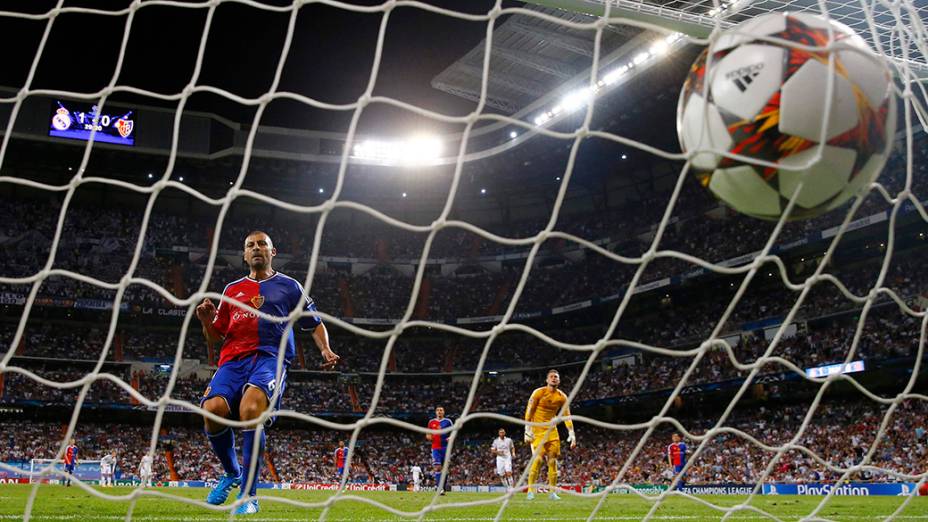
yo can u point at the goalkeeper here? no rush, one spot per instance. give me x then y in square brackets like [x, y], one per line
[544, 405]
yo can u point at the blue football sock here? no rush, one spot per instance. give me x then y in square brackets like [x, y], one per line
[223, 444]
[248, 445]
[437, 475]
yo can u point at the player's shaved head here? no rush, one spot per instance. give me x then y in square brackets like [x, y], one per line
[257, 234]
[259, 252]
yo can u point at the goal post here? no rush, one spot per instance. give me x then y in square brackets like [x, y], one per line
[43, 470]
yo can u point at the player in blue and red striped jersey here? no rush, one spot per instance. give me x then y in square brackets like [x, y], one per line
[244, 383]
[439, 445]
[70, 461]
[676, 457]
[341, 455]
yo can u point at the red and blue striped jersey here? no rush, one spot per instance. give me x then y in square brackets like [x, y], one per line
[340, 455]
[70, 454]
[245, 333]
[677, 453]
[440, 440]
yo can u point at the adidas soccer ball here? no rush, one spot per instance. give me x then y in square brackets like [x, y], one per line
[767, 102]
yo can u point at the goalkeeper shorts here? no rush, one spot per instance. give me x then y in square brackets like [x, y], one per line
[552, 448]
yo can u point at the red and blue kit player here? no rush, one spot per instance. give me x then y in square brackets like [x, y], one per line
[676, 457]
[246, 379]
[341, 456]
[70, 461]
[439, 445]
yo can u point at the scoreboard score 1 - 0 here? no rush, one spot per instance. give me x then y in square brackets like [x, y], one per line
[77, 120]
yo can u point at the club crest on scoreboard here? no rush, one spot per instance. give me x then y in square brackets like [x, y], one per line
[62, 119]
[125, 127]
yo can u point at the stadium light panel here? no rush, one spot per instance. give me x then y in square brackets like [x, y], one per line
[614, 75]
[576, 99]
[404, 194]
[513, 135]
[181, 178]
[624, 156]
[660, 48]
[321, 190]
[483, 191]
[413, 151]
[640, 58]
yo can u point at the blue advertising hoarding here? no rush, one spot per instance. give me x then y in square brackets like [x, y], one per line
[852, 489]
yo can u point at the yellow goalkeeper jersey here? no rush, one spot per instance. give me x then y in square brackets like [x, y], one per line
[543, 405]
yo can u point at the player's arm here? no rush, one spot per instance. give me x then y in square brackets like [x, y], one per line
[314, 323]
[571, 435]
[669, 457]
[321, 338]
[529, 413]
[207, 314]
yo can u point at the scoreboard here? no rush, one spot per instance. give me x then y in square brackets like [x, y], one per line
[77, 120]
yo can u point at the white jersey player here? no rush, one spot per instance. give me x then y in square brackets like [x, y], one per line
[504, 450]
[416, 477]
[145, 470]
[107, 468]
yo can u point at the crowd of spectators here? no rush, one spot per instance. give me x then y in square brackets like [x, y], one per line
[886, 335]
[100, 243]
[840, 433]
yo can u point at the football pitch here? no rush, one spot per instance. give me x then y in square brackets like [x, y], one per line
[60, 503]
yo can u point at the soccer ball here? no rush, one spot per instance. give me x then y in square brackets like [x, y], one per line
[767, 102]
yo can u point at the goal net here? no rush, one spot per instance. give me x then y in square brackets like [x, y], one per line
[49, 469]
[895, 30]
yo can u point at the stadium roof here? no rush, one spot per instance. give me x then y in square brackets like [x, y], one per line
[530, 57]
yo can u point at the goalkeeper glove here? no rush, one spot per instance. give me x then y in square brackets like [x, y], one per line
[571, 438]
[529, 434]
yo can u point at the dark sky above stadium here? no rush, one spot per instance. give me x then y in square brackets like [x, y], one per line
[330, 58]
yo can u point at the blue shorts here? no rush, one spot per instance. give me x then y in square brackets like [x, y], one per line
[438, 456]
[231, 379]
[340, 472]
[69, 468]
[678, 469]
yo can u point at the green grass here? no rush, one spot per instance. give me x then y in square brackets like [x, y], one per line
[60, 503]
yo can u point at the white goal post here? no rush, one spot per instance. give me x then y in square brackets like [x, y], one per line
[53, 469]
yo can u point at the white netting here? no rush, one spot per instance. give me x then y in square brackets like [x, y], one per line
[908, 44]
